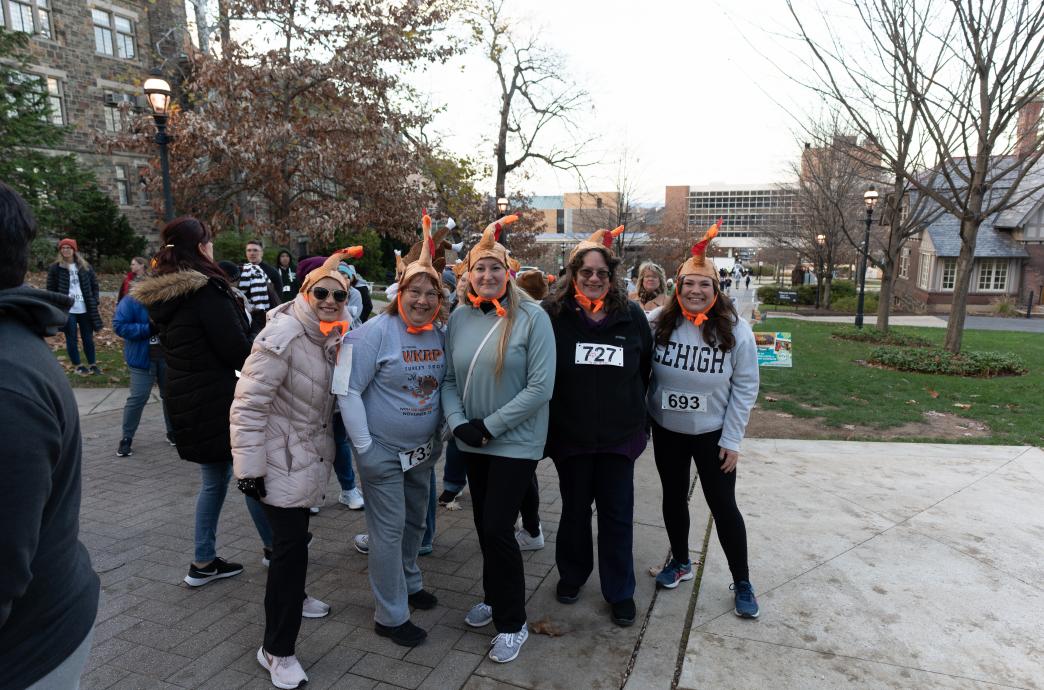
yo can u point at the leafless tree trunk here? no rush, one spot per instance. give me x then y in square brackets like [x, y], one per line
[536, 97]
[962, 70]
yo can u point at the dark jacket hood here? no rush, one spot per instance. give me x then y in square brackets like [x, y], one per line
[43, 312]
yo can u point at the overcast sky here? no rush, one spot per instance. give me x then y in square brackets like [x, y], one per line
[696, 91]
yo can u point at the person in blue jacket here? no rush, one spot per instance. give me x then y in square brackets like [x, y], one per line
[144, 356]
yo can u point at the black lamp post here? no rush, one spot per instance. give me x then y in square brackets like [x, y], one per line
[157, 91]
[870, 199]
[820, 244]
[502, 208]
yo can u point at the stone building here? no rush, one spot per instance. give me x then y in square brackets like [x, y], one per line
[92, 57]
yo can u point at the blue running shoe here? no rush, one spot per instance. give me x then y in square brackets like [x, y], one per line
[746, 603]
[673, 573]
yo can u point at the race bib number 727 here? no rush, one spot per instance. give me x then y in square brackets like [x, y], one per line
[599, 355]
[678, 401]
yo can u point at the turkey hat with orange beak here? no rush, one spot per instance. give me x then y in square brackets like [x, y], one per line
[700, 265]
[422, 268]
[602, 240]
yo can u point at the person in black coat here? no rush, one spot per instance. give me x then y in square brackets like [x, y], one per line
[48, 590]
[71, 275]
[206, 336]
[289, 284]
[597, 423]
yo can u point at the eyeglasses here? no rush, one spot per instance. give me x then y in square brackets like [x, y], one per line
[587, 273]
[417, 294]
[321, 293]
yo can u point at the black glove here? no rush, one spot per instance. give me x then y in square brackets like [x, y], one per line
[481, 426]
[254, 487]
[470, 434]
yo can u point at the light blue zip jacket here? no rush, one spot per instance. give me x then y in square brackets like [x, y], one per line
[513, 406]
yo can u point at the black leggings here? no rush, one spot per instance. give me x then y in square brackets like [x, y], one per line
[672, 452]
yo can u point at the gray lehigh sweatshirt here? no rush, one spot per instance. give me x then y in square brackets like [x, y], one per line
[725, 382]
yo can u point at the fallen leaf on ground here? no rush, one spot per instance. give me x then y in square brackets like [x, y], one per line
[933, 393]
[963, 406]
[850, 427]
[769, 398]
[545, 626]
[911, 402]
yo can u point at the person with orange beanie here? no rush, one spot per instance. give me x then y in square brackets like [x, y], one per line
[704, 384]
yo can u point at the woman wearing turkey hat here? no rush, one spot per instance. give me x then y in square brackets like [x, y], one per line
[704, 384]
[283, 447]
[500, 373]
[598, 425]
[392, 411]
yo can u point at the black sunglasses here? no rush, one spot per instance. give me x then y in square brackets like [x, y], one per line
[321, 293]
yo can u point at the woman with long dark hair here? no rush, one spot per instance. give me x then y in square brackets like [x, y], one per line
[71, 275]
[206, 337]
[500, 373]
[597, 427]
[704, 385]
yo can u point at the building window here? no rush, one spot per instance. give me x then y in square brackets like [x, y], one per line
[113, 120]
[925, 272]
[51, 89]
[123, 185]
[125, 47]
[993, 275]
[949, 273]
[113, 35]
[1034, 229]
[904, 264]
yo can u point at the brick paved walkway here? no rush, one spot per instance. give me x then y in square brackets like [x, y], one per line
[155, 632]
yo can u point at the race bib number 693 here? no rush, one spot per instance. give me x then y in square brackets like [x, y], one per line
[599, 355]
[677, 401]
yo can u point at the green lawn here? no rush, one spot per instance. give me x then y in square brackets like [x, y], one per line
[110, 360]
[827, 381]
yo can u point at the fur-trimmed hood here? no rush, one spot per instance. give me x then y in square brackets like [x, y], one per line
[151, 291]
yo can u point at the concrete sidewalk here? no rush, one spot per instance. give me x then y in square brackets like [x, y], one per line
[876, 565]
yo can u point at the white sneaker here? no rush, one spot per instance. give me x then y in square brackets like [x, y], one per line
[286, 671]
[527, 542]
[352, 498]
[480, 614]
[506, 646]
[362, 543]
[313, 608]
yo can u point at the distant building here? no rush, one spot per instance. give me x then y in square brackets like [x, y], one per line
[91, 56]
[747, 211]
[1008, 261]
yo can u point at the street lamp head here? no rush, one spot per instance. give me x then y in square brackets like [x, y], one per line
[870, 198]
[821, 239]
[157, 91]
[502, 205]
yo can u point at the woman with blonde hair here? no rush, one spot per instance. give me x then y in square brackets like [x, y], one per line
[500, 374]
[283, 447]
[71, 275]
[651, 292]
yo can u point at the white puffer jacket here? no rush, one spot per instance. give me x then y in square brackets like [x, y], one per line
[281, 416]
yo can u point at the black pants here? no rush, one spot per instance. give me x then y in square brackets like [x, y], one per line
[531, 507]
[607, 480]
[285, 590]
[673, 452]
[498, 485]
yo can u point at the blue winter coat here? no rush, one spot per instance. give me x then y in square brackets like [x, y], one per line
[131, 323]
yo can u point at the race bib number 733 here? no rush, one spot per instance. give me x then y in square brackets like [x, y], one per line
[409, 459]
[677, 401]
[599, 355]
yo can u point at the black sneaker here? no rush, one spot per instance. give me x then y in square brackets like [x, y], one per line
[217, 570]
[95, 371]
[623, 612]
[81, 370]
[170, 439]
[407, 634]
[566, 594]
[125, 448]
[447, 497]
[423, 599]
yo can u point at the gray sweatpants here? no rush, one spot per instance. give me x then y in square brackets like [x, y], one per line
[396, 510]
